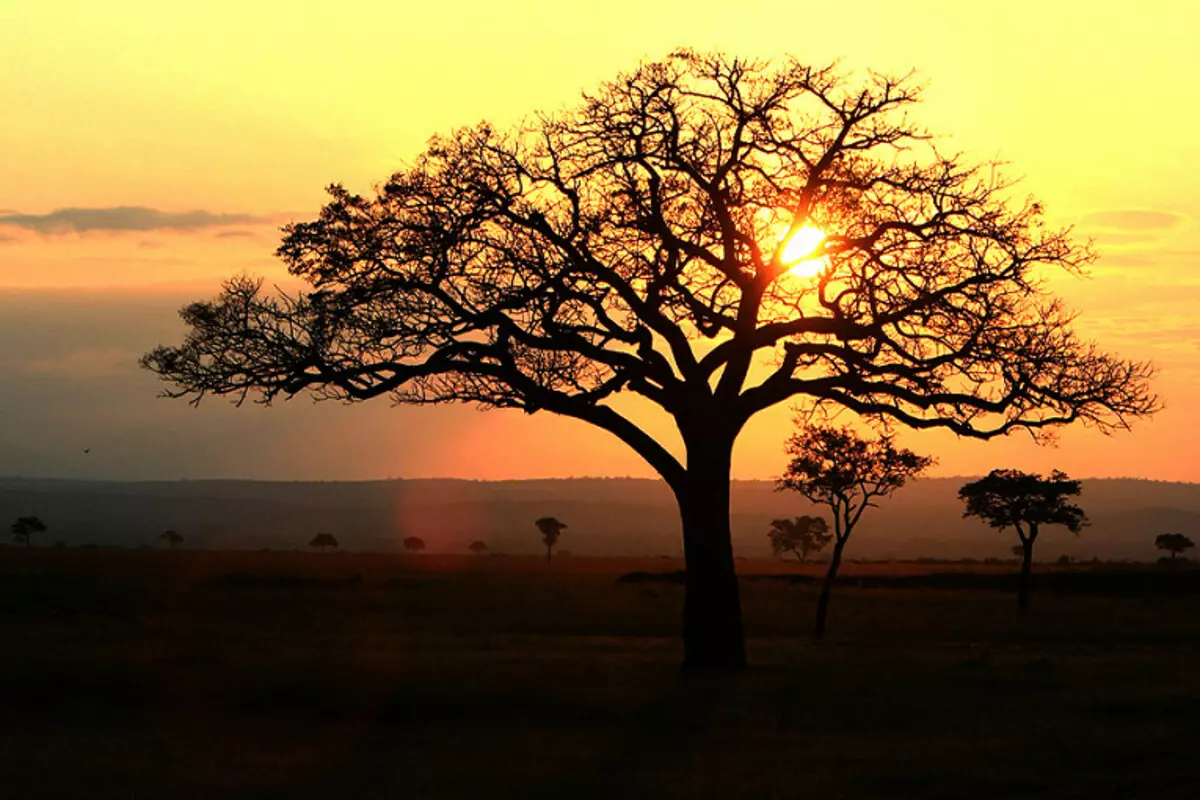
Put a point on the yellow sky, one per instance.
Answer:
(245, 110)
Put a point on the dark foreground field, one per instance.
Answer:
(186, 675)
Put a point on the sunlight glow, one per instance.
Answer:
(799, 247)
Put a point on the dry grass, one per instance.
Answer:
(151, 674)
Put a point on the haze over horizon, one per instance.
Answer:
(160, 149)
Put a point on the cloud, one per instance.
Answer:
(123, 218)
(238, 234)
(1133, 220)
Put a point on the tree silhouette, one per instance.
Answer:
(323, 540)
(414, 544)
(799, 536)
(171, 538)
(645, 243)
(24, 528)
(478, 547)
(551, 529)
(1173, 543)
(1009, 498)
(836, 467)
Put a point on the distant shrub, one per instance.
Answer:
(323, 540)
(24, 528)
(1173, 543)
(551, 529)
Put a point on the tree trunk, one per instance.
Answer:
(713, 638)
(1026, 566)
(548, 549)
(827, 588)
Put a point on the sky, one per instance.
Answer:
(149, 149)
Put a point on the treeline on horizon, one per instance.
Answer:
(607, 516)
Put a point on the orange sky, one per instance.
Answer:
(177, 137)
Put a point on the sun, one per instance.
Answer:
(802, 244)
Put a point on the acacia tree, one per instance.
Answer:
(172, 538)
(836, 467)
(323, 540)
(550, 529)
(642, 243)
(1173, 543)
(799, 536)
(24, 528)
(1009, 498)
(478, 547)
(414, 544)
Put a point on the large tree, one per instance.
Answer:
(836, 467)
(645, 242)
(1025, 502)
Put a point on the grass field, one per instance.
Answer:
(194, 674)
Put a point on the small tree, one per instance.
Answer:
(323, 540)
(171, 538)
(836, 467)
(551, 529)
(1009, 498)
(25, 527)
(478, 547)
(414, 544)
(1173, 543)
(800, 536)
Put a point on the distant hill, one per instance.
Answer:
(607, 516)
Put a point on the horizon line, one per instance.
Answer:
(396, 479)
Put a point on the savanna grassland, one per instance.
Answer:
(190, 674)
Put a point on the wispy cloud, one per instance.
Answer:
(123, 218)
(236, 234)
(1133, 220)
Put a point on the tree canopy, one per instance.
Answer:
(1009, 498)
(800, 536)
(23, 528)
(323, 540)
(582, 253)
(1173, 543)
(171, 537)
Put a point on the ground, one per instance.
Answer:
(194, 675)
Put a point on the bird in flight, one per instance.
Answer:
(87, 450)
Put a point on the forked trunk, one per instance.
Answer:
(827, 589)
(713, 638)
